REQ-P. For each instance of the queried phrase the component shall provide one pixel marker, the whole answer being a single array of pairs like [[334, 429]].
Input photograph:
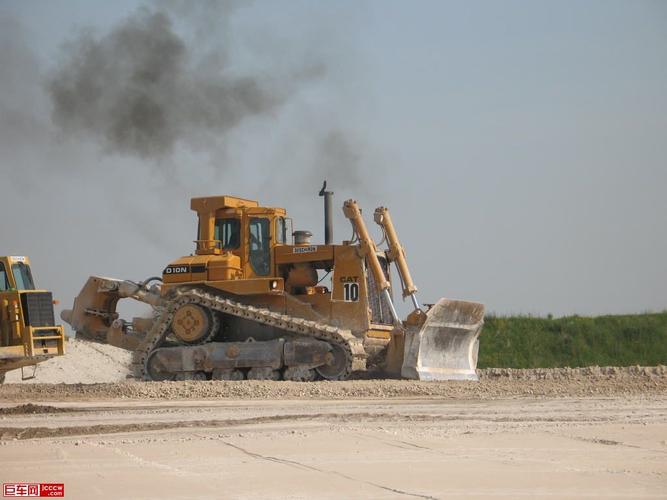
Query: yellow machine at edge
[[28, 333], [248, 304]]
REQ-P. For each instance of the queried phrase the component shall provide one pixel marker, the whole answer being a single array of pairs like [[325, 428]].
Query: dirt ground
[[557, 433], [543, 433]]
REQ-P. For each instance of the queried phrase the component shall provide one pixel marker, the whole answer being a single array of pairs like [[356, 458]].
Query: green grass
[[528, 342]]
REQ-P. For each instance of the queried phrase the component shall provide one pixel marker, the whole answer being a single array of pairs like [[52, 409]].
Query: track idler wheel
[[156, 370], [193, 324], [336, 364]]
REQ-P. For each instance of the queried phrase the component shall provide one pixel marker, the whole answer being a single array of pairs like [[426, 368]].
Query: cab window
[[22, 276], [4, 280], [260, 246], [281, 230], [228, 232]]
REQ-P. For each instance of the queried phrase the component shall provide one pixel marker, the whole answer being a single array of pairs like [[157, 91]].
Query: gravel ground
[[494, 384], [97, 371]]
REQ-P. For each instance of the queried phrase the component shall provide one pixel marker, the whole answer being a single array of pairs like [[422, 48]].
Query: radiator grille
[[38, 308]]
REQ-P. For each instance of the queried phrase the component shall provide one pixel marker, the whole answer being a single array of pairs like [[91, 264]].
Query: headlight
[[274, 285]]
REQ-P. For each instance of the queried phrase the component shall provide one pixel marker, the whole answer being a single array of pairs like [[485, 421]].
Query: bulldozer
[[249, 304], [28, 333]]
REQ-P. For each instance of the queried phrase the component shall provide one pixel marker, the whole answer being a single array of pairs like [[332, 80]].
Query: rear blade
[[446, 345], [94, 310]]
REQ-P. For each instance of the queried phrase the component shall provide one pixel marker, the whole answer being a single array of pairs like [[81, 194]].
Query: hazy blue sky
[[521, 146]]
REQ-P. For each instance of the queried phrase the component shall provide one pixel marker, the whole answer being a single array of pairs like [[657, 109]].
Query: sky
[[521, 146]]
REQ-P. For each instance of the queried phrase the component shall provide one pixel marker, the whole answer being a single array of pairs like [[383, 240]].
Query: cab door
[[259, 245], [8, 304]]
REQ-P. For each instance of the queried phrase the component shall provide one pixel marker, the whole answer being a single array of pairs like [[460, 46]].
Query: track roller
[[190, 376], [227, 375], [263, 374], [299, 374]]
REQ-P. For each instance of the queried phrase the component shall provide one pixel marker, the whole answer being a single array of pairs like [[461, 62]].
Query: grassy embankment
[[528, 342]]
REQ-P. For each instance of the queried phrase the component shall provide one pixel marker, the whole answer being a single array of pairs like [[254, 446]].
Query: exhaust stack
[[328, 214]]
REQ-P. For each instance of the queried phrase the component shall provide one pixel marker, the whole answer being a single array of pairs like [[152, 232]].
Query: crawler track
[[351, 345]]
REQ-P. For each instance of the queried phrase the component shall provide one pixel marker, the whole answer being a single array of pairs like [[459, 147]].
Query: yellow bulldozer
[[28, 333], [249, 304]]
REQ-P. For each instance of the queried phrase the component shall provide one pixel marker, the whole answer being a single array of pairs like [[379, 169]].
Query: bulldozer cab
[[28, 333], [15, 274], [242, 249], [241, 228]]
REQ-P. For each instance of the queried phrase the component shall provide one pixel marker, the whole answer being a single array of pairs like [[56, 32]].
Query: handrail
[[208, 245]]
